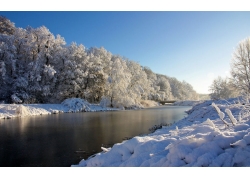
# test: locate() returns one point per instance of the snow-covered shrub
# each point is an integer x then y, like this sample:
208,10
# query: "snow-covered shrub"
209,122
76,104
105,102
229,113
221,114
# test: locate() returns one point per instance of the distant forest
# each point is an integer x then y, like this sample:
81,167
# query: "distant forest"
38,67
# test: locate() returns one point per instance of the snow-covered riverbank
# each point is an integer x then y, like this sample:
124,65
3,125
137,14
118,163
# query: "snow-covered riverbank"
69,105
8,111
211,135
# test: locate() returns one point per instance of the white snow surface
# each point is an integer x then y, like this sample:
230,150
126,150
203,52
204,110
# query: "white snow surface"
200,139
68,105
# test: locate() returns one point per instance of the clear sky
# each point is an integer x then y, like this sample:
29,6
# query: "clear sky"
195,46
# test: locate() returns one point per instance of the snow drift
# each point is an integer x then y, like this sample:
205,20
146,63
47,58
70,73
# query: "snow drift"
201,139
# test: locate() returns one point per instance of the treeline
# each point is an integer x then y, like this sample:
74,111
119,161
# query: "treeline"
238,83
37,67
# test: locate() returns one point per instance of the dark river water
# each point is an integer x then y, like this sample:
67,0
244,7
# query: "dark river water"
61,140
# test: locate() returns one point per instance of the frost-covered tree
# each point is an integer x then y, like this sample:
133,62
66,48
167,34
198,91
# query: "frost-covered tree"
103,58
100,71
101,66
222,89
176,88
42,57
138,85
165,89
38,67
188,92
6,26
73,72
153,88
117,84
240,67
96,77
7,66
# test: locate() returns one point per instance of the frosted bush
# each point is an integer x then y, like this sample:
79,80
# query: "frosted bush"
229,113
76,104
221,114
239,117
209,122
216,108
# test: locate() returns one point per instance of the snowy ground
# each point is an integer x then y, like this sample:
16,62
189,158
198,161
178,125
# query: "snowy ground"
69,105
215,133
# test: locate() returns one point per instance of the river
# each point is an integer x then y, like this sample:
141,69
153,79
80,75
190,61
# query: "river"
61,140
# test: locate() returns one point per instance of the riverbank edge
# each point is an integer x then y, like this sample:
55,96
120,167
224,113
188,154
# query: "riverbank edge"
9,111
201,127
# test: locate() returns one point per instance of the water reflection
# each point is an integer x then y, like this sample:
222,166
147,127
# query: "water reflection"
64,139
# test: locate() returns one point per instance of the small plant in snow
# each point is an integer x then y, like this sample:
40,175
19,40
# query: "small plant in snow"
221,114
105,149
239,118
209,122
243,104
229,113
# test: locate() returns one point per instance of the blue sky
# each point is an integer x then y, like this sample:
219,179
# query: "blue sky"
191,46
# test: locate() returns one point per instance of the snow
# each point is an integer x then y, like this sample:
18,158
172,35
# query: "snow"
69,105
201,140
